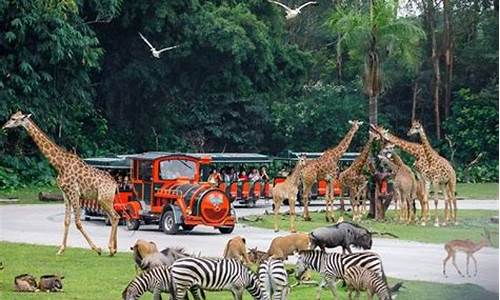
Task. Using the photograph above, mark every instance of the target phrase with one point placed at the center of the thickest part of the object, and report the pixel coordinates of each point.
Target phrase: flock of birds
(290, 14)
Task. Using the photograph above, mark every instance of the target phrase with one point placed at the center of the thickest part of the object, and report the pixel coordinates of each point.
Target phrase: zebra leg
(333, 287)
(156, 294)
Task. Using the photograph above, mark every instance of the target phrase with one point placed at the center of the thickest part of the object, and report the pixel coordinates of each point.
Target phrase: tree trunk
(448, 48)
(436, 82)
(414, 100)
(339, 57)
(373, 110)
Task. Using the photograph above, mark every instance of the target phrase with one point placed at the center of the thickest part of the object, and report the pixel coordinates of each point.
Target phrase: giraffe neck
(358, 164)
(49, 149)
(336, 153)
(394, 168)
(414, 149)
(429, 151)
(397, 160)
(295, 175)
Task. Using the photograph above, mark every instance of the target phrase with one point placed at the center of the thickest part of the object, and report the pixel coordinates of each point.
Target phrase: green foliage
(474, 130)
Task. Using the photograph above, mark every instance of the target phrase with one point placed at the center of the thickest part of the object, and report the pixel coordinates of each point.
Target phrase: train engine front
(168, 190)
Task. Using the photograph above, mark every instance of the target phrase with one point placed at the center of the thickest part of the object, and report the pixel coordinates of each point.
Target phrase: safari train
(173, 189)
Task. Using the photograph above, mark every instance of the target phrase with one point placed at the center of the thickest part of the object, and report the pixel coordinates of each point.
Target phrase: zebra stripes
(333, 265)
(274, 278)
(215, 274)
(155, 280)
(360, 279)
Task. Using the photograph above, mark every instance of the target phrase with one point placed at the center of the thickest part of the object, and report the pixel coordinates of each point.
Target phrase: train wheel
(226, 230)
(133, 224)
(168, 224)
(187, 227)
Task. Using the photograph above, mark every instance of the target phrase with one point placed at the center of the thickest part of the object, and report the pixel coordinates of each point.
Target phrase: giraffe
(77, 180)
(421, 163)
(354, 179)
(442, 175)
(325, 167)
(287, 189)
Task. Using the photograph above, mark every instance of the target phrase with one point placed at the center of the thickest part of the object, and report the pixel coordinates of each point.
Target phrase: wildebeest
(51, 283)
(342, 234)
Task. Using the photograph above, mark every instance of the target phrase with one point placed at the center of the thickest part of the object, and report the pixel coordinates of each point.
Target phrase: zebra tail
(396, 287)
(171, 285)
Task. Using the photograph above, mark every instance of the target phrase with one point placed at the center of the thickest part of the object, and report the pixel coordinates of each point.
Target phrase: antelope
(467, 246)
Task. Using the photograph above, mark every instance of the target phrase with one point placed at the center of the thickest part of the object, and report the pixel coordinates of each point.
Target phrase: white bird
(156, 53)
(292, 13)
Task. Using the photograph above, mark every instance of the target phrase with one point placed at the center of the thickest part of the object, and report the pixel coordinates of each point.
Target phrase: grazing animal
(342, 234)
(325, 167)
(256, 256)
(292, 13)
(78, 181)
(274, 278)
(154, 52)
(467, 246)
(236, 248)
(141, 249)
(361, 279)
(51, 283)
(25, 283)
(215, 274)
(165, 257)
(283, 246)
(332, 266)
(287, 190)
(441, 174)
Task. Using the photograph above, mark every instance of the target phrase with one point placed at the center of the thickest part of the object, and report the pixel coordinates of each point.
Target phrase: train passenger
(243, 176)
(263, 174)
(254, 175)
(214, 178)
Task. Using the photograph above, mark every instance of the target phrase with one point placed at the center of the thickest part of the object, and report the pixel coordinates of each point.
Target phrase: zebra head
(308, 259)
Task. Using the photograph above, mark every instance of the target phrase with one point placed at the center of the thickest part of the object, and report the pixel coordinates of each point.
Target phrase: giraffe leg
(115, 219)
(277, 205)
(450, 188)
(67, 222)
(292, 214)
(435, 189)
(76, 212)
(327, 204)
(447, 205)
(305, 200)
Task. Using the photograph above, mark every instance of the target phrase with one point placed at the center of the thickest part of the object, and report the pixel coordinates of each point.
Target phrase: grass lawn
(28, 195)
(478, 190)
(471, 224)
(88, 276)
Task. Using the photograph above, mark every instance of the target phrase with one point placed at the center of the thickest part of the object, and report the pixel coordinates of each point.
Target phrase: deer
(467, 246)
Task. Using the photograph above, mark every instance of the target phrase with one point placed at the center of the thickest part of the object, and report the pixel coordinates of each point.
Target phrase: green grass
(478, 190)
(88, 276)
(28, 195)
(471, 224)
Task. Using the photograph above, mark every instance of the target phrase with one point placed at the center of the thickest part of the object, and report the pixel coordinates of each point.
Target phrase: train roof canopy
(215, 157)
(291, 155)
(114, 162)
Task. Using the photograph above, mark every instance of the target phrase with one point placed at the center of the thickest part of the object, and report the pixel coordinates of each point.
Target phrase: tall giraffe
(325, 168)
(354, 179)
(418, 152)
(287, 189)
(77, 180)
(441, 174)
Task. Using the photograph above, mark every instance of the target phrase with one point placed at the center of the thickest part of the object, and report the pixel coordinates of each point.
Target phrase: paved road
(402, 259)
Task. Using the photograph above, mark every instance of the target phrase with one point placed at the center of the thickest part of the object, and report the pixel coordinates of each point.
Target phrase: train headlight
(188, 211)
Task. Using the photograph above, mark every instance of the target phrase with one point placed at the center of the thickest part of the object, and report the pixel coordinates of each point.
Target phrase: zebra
(274, 278)
(359, 279)
(332, 265)
(215, 274)
(155, 280)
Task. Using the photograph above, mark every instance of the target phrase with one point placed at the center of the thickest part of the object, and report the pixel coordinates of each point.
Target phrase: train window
(145, 170)
(172, 169)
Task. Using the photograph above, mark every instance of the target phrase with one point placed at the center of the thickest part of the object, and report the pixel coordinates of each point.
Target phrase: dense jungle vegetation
(246, 79)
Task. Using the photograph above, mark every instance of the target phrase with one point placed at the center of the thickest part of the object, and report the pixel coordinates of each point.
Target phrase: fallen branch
(384, 233)
(258, 218)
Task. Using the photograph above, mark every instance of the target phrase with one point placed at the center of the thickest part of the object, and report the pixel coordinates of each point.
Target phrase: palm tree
(375, 33)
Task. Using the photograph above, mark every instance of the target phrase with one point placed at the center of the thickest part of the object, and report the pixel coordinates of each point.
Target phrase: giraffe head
(356, 124)
(379, 132)
(17, 119)
(387, 150)
(416, 128)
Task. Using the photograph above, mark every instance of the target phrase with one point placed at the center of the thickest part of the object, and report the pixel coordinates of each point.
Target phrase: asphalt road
(43, 224)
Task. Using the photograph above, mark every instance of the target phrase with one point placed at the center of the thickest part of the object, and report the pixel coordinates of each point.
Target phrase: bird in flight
(156, 53)
(292, 13)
